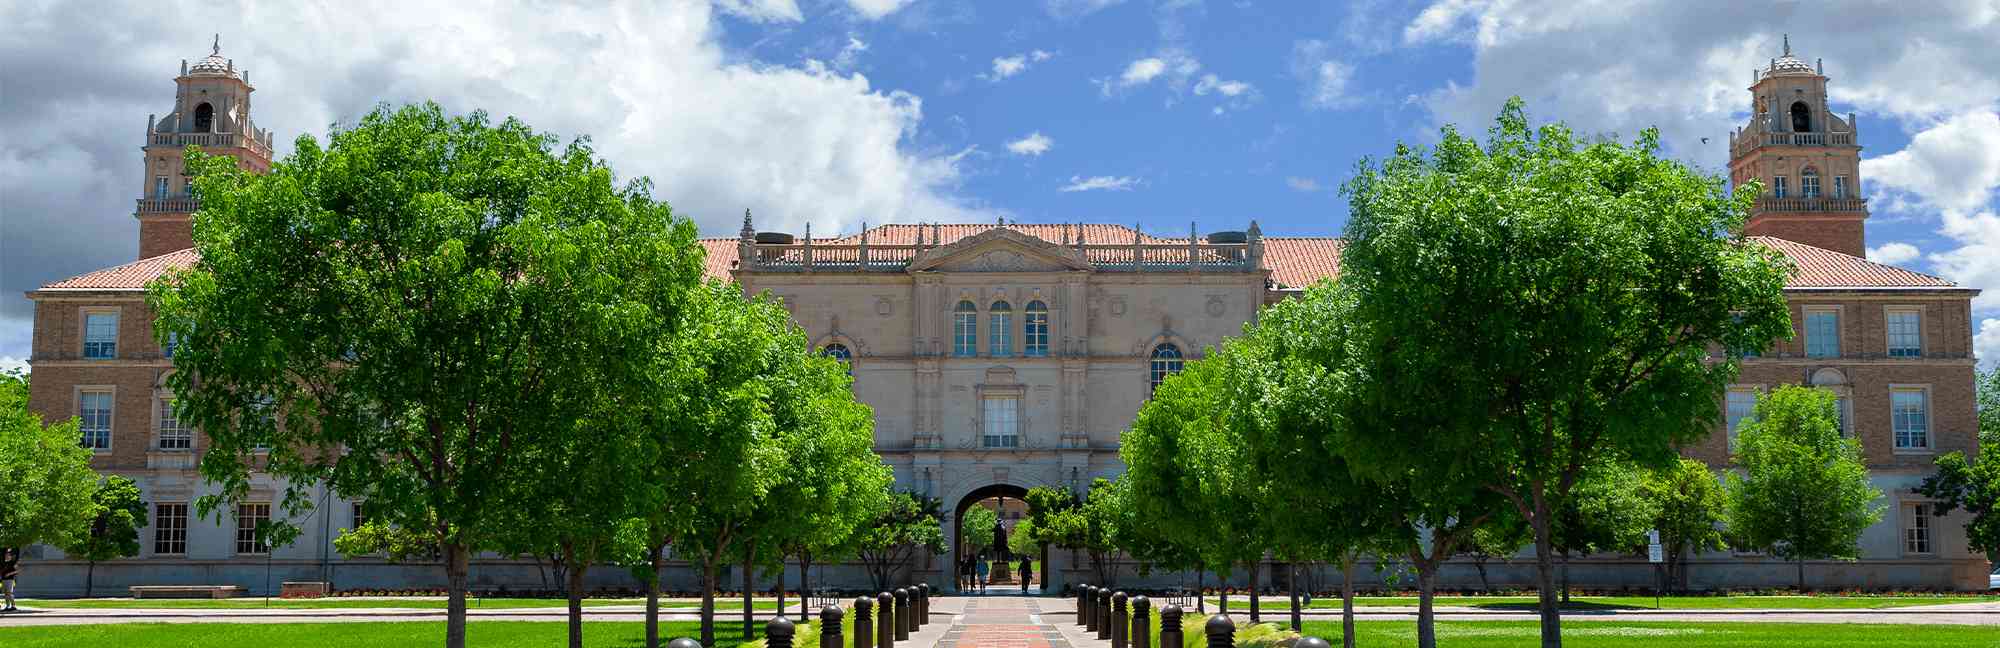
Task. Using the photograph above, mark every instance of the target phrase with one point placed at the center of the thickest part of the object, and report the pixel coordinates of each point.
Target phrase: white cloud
(1034, 144)
(1076, 8)
(1893, 253)
(876, 9)
(1142, 71)
(1442, 20)
(1100, 183)
(1007, 66)
(850, 53)
(792, 143)
(1306, 185)
(1324, 78)
(1986, 344)
(13, 364)
(762, 10)
(1211, 83)
(1040, 55)
(1173, 67)
(1953, 168)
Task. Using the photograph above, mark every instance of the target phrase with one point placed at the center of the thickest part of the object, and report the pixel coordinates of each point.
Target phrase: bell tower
(211, 112)
(1807, 157)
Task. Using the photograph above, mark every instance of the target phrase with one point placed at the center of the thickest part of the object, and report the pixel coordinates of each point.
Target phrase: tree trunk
(575, 587)
(456, 564)
(1293, 585)
(654, 560)
(90, 578)
(749, 555)
(1545, 576)
(1254, 616)
(1347, 602)
(1485, 586)
(708, 600)
(1223, 584)
(781, 588)
(1802, 574)
(805, 599)
(1426, 614)
(1565, 577)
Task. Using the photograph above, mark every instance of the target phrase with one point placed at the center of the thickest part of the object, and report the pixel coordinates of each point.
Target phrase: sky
(1164, 114)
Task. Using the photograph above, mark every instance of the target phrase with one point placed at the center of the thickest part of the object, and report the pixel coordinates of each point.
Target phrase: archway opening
(981, 557)
(204, 118)
(1801, 118)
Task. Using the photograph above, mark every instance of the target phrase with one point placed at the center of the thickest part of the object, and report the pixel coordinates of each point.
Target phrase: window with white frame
(93, 411)
(170, 528)
(1166, 361)
(159, 186)
(360, 516)
(1809, 182)
(1840, 186)
(1917, 528)
(1001, 423)
(1905, 333)
(173, 343)
(100, 335)
(251, 517)
(1739, 404)
(1001, 332)
(1035, 335)
(1823, 333)
(174, 435)
(1909, 413)
(965, 329)
(1778, 187)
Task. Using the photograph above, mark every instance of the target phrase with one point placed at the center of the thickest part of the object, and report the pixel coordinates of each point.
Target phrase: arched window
(964, 329)
(839, 352)
(1809, 182)
(1002, 331)
(1166, 360)
(1801, 118)
(204, 118)
(1036, 335)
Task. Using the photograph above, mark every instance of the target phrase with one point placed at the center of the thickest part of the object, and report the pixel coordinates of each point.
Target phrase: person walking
(1027, 574)
(10, 567)
(982, 573)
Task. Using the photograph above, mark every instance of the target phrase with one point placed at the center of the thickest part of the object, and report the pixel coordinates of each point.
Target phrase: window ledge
(1915, 451)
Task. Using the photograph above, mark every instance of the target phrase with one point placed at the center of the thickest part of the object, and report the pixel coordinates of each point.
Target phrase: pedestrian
(982, 574)
(10, 567)
(1027, 574)
(965, 583)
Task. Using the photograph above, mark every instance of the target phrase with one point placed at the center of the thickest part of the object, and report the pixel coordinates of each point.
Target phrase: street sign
(1654, 554)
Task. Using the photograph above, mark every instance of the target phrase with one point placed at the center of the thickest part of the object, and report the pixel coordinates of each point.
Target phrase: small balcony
(209, 140)
(157, 459)
(1796, 204)
(168, 204)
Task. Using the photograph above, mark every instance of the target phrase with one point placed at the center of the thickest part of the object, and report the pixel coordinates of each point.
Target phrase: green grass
(484, 634)
(1610, 634)
(345, 602)
(1828, 602)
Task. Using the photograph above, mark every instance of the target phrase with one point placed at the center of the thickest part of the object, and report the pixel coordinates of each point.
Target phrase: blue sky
(838, 112)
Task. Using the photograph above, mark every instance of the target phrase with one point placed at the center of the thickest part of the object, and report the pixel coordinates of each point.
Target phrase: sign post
(1656, 556)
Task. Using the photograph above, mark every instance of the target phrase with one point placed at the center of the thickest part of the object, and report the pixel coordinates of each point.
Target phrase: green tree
(1974, 484)
(47, 498)
(1607, 512)
(977, 528)
(1803, 492)
(1692, 508)
(405, 315)
(1022, 541)
(1540, 302)
(114, 530)
(909, 525)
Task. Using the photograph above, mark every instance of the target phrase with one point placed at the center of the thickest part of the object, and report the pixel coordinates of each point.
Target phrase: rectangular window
(1917, 529)
(170, 528)
(159, 186)
(1809, 185)
(360, 516)
(1840, 186)
(965, 333)
(1036, 337)
(1909, 413)
(1840, 414)
(100, 336)
(1822, 334)
(1778, 187)
(173, 342)
(1002, 423)
(93, 408)
(1001, 343)
(174, 435)
(1740, 404)
(1905, 334)
(249, 517)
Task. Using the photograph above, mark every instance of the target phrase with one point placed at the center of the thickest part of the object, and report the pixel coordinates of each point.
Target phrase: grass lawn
(1829, 602)
(485, 634)
(1600, 634)
(347, 602)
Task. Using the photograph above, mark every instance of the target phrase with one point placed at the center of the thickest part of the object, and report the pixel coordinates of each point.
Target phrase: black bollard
(1311, 642)
(683, 642)
(829, 628)
(1221, 632)
(885, 625)
(903, 615)
(1142, 623)
(1086, 607)
(1121, 625)
(864, 627)
(1103, 614)
(922, 593)
(778, 632)
(1170, 627)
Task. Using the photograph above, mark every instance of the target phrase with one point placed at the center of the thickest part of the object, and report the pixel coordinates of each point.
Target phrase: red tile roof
(1822, 268)
(1294, 261)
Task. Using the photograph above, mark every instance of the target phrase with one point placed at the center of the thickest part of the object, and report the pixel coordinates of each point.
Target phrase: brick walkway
(1003, 622)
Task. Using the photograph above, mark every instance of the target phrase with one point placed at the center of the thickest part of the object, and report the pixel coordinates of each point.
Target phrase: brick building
(999, 357)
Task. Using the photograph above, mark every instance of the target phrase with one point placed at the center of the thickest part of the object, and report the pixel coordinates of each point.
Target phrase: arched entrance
(1010, 507)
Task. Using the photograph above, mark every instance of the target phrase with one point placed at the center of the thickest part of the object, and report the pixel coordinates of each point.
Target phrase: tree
(1691, 509)
(1803, 492)
(49, 484)
(1974, 484)
(1538, 303)
(406, 313)
(976, 528)
(909, 524)
(1022, 541)
(1607, 511)
(114, 530)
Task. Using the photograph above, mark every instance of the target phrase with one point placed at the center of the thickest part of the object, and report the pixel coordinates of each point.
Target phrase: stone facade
(963, 414)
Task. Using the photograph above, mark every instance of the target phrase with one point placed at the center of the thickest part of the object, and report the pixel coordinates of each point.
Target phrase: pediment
(1000, 250)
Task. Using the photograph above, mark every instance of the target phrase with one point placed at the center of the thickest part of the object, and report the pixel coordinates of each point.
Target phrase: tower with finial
(1807, 159)
(211, 112)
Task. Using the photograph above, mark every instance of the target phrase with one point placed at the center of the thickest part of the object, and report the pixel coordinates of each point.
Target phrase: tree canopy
(114, 530)
(1803, 492)
(49, 484)
(1974, 483)
(1691, 509)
